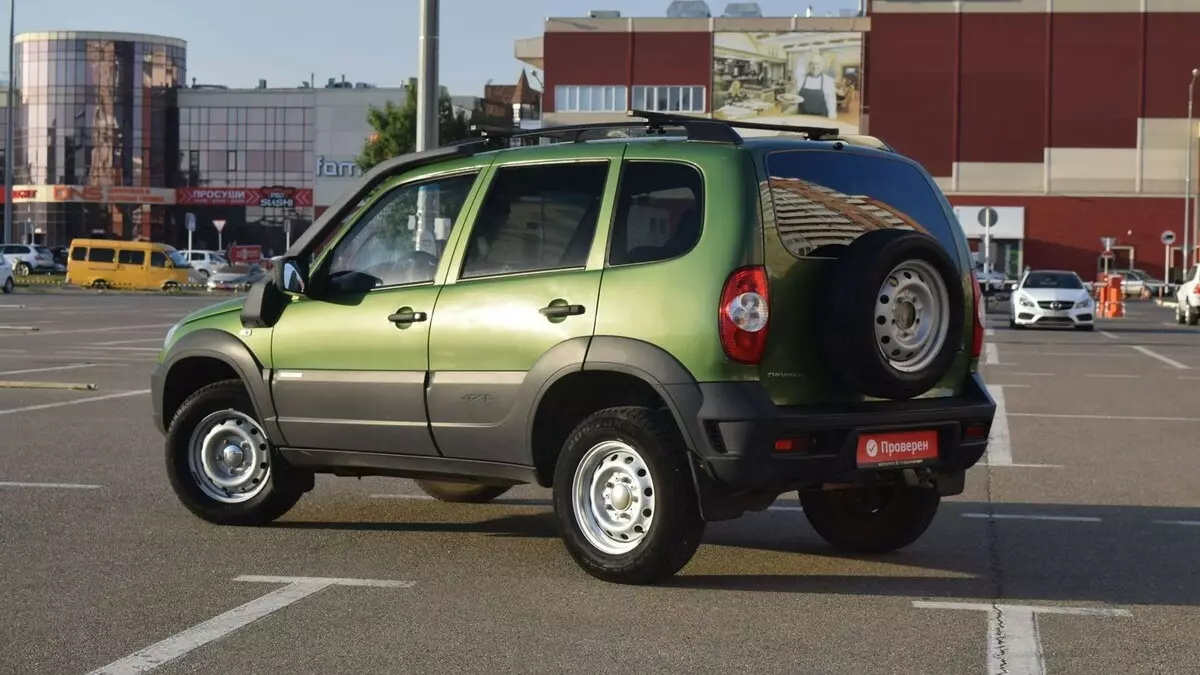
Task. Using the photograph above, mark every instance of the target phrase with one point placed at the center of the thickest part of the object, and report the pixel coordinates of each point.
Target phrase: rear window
(831, 197)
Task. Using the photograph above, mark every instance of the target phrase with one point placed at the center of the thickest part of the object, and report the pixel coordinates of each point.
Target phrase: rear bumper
(735, 427)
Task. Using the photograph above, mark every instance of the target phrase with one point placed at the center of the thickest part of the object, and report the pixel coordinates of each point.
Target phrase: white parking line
(1155, 355)
(1120, 418)
(1014, 643)
(1189, 523)
(1032, 374)
(991, 358)
(43, 370)
(1114, 375)
(60, 404)
(1014, 516)
(1107, 334)
(128, 342)
(219, 626)
(57, 486)
(111, 329)
(989, 331)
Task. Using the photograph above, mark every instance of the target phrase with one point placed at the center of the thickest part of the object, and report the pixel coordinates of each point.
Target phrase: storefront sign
(1008, 222)
(101, 194)
(245, 254)
(338, 169)
(268, 197)
(21, 194)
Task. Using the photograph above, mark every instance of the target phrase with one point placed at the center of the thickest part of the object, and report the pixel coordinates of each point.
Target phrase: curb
(1170, 304)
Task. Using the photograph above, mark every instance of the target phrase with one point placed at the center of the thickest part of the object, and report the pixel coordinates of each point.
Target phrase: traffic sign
(1107, 242)
(1107, 255)
(988, 217)
(219, 224)
(1167, 237)
(191, 222)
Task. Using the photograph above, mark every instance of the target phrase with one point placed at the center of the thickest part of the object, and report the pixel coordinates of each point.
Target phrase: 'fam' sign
(337, 169)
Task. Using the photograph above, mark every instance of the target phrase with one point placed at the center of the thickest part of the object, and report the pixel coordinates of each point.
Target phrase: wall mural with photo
(797, 79)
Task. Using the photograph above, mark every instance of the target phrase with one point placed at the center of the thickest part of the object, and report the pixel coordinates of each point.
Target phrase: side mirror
(292, 276)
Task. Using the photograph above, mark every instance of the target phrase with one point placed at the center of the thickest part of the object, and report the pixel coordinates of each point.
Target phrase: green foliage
(395, 128)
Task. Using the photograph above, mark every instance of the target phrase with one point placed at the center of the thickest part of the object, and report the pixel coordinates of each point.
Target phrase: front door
(350, 362)
(527, 280)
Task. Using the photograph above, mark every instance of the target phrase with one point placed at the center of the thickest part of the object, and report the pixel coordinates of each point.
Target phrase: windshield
(1052, 280)
(179, 259)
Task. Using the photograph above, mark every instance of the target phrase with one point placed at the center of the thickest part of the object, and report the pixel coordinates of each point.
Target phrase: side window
(401, 237)
(196, 256)
(79, 253)
(8, 250)
(660, 212)
(126, 257)
(102, 255)
(158, 259)
(536, 218)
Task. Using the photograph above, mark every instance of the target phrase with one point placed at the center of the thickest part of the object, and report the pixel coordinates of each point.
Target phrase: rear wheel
(21, 269)
(8, 285)
(624, 499)
(465, 493)
(871, 520)
(1179, 318)
(1193, 316)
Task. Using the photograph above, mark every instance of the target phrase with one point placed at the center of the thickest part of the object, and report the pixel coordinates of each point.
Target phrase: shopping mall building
(113, 140)
(1063, 120)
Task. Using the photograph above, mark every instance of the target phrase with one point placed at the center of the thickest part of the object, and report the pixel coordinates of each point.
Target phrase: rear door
(131, 264)
(525, 280)
(815, 202)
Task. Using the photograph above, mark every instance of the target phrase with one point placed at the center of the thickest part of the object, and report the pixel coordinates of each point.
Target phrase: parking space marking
(1155, 355)
(989, 331)
(75, 366)
(991, 358)
(111, 329)
(58, 486)
(1107, 334)
(1115, 375)
(60, 404)
(1014, 643)
(1017, 516)
(1189, 523)
(128, 342)
(1121, 418)
(1031, 374)
(999, 451)
(197, 636)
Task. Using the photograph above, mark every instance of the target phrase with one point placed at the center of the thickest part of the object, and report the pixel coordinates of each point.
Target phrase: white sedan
(6, 272)
(1052, 298)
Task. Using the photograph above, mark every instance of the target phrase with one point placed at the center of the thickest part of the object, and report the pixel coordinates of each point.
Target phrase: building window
(573, 98)
(669, 99)
(231, 160)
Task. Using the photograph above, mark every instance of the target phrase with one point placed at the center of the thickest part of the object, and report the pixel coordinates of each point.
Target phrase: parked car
(612, 320)
(6, 277)
(1052, 298)
(1187, 298)
(235, 277)
(205, 263)
(25, 259)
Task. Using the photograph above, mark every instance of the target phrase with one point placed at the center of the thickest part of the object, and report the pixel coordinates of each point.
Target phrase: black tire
(1087, 329)
(1192, 317)
(1012, 324)
(676, 527)
(849, 302)
(8, 285)
(462, 493)
(1179, 316)
(284, 485)
(871, 520)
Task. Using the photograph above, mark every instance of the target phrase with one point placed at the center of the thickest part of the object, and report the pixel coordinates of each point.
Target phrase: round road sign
(988, 217)
(1167, 237)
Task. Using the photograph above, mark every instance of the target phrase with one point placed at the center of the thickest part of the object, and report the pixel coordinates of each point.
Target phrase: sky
(237, 42)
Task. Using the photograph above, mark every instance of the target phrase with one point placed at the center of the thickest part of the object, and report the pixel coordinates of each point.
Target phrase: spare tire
(892, 314)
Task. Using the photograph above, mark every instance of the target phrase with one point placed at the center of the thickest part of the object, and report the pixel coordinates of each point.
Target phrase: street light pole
(10, 122)
(427, 84)
(1187, 180)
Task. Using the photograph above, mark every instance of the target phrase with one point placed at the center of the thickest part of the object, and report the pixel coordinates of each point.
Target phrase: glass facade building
(96, 138)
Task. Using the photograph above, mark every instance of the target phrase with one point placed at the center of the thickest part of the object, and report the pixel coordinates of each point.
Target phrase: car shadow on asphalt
(1123, 555)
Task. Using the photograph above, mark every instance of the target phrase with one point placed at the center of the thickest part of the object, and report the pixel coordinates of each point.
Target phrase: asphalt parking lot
(1075, 549)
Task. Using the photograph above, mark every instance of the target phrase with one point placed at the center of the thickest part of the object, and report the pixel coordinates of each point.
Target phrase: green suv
(668, 327)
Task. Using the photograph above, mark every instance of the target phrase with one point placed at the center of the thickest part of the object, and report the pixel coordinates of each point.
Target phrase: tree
(395, 127)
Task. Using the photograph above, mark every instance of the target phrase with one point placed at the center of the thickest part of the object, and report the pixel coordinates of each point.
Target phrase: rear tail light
(977, 336)
(743, 314)
(1196, 290)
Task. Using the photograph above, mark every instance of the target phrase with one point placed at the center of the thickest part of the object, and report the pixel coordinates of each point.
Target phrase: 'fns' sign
(347, 169)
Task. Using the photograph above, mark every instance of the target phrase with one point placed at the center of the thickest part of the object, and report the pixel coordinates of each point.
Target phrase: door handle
(407, 315)
(559, 311)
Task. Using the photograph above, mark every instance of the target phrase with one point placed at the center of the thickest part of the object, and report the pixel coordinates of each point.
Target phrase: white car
(1187, 298)
(1052, 298)
(206, 263)
(6, 280)
(25, 259)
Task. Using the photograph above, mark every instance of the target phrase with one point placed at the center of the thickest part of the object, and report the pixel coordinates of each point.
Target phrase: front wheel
(8, 285)
(871, 520)
(624, 499)
(463, 493)
(221, 464)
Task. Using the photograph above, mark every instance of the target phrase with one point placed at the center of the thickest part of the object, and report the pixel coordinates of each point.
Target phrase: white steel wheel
(613, 497)
(912, 316)
(229, 457)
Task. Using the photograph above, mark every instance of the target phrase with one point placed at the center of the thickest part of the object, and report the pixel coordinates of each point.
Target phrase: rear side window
(102, 255)
(79, 253)
(659, 212)
(832, 197)
(131, 257)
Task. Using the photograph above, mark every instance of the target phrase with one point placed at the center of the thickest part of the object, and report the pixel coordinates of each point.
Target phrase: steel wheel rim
(911, 312)
(612, 496)
(229, 457)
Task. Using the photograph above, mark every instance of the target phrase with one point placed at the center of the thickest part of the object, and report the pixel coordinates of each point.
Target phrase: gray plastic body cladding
(355, 410)
(408, 466)
(656, 367)
(223, 346)
(488, 416)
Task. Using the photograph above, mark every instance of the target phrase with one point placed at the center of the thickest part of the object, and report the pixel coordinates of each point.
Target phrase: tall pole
(427, 84)
(10, 122)
(1187, 180)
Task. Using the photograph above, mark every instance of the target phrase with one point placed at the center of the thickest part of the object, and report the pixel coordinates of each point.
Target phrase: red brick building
(1072, 113)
